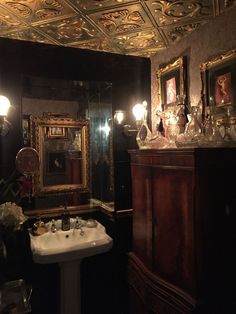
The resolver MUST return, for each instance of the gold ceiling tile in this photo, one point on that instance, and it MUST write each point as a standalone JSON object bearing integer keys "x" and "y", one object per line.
{"x": 23, "y": 10}
{"x": 140, "y": 41}
{"x": 175, "y": 33}
{"x": 97, "y": 44}
{"x": 170, "y": 12}
{"x": 131, "y": 27}
{"x": 144, "y": 53}
{"x": 8, "y": 22}
{"x": 100, "y": 4}
{"x": 69, "y": 30}
{"x": 29, "y": 35}
{"x": 122, "y": 19}
{"x": 36, "y": 11}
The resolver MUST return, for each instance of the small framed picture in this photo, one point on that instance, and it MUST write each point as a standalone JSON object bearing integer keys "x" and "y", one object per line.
{"x": 219, "y": 80}
{"x": 56, "y": 162}
{"x": 171, "y": 82}
{"x": 57, "y": 131}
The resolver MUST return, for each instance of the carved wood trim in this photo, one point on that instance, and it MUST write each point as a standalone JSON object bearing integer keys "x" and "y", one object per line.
{"x": 156, "y": 292}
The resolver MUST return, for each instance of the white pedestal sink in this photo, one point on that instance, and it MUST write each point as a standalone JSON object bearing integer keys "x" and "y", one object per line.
{"x": 68, "y": 248}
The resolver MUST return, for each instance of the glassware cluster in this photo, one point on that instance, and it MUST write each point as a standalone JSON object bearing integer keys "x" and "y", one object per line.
{"x": 179, "y": 127}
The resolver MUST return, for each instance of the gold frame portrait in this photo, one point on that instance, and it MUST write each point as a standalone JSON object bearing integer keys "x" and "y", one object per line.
{"x": 218, "y": 77}
{"x": 172, "y": 72}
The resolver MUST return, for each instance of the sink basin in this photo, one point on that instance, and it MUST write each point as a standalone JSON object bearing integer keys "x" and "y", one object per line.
{"x": 68, "y": 248}
{"x": 63, "y": 246}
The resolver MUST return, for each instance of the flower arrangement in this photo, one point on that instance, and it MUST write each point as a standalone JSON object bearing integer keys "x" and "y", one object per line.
{"x": 11, "y": 217}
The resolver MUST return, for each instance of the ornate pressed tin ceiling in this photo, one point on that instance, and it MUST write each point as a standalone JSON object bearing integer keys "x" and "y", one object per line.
{"x": 129, "y": 27}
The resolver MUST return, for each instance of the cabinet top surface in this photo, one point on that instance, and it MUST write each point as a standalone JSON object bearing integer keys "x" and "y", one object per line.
{"x": 206, "y": 150}
{"x": 187, "y": 157}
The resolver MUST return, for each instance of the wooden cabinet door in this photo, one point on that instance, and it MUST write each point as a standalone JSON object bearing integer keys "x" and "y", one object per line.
{"x": 142, "y": 213}
{"x": 173, "y": 216}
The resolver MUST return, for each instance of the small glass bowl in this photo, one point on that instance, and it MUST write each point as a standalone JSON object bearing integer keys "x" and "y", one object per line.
{"x": 91, "y": 223}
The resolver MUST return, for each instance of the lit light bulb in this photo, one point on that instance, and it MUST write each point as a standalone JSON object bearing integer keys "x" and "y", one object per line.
{"x": 4, "y": 105}
{"x": 139, "y": 112}
{"x": 119, "y": 116}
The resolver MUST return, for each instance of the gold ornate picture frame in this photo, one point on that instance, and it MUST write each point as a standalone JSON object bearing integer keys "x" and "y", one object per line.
{"x": 171, "y": 80}
{"x": 218, "y": 76}
{"x": 64, "y": 167}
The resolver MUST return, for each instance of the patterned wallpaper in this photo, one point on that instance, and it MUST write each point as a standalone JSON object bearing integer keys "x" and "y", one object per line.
{"x": 212, "y": 39}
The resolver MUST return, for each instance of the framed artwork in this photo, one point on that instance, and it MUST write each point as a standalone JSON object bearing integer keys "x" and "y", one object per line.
{"x": 171, "y": 83}
{"x": 57, "y": 132}
{"x": 53, "y": 137}
{"x": 56, "y": 162}
{"x": 218, "y": 77}
{"x": 26, "y": 130}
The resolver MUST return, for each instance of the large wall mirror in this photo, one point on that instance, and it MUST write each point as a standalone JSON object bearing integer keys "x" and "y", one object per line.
{"x": 69, "y": 123}
{"x": 63, "y": 147}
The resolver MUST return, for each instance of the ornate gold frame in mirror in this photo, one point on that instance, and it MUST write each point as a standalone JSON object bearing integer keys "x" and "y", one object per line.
{"x": 63, "y": 147}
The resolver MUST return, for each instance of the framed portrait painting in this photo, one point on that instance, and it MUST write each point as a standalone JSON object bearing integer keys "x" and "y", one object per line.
{"x": 56, "y": 162}
{"x": 171, "y": 82}
{"x": 218, "y": 77}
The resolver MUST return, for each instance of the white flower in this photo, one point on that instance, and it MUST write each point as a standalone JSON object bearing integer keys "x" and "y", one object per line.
{"x": 11, "y": 216}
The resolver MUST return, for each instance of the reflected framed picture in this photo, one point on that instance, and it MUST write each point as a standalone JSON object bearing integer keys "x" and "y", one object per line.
{"x": 26, "y": 129}
{"x": 57, "y": 131}
{"x": 171, "y": 82}
{"x": 56, "y": 163}
{"x": 218, "y": 77}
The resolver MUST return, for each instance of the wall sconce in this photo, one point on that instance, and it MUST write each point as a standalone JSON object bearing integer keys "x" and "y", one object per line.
{"x": 4, "y": 106}
{"x": 139, "y": 111}
{"x": 119, "y": 117}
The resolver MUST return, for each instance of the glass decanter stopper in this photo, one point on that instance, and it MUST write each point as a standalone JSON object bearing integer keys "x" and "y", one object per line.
{"x": 194, "y": 128}
{"x": 144, "y": 134}
{"x": 77, "y": 141}
{"x": 212, "y": 135}
{"x": 227, "y": 123}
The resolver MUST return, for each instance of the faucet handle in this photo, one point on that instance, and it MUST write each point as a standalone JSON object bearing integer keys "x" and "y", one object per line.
{"x": 39, "y": 226}
{"x": 78, "y": 222}
{"x": 53, "y": 226}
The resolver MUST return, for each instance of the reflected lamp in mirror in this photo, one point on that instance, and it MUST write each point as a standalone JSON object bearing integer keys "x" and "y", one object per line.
{"x": 140, "y": 113}
{"x": 119, "y": 117}
{"x": 4, "y": 106}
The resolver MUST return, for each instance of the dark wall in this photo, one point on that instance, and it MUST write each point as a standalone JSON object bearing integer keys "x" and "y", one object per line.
{"x": 129, "y": 75}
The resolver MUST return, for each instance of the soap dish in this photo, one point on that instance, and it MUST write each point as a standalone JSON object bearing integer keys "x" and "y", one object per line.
{"x": 91, "y": 223}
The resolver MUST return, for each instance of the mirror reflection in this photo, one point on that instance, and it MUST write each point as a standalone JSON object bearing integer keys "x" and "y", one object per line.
{"x": 63, "y": 147}
{"x": 70, "y": 125}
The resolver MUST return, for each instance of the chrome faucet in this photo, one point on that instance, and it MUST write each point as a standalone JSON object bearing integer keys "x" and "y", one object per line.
{"x": 78, "y": 225}
{"x": 53, "y": 226}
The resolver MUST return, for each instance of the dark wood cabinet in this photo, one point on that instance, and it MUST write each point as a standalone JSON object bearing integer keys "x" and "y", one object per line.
{"x": 184, "y": 238}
